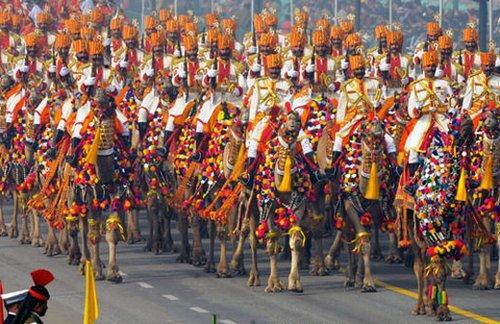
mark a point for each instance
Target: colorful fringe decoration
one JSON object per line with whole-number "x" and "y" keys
{"x": 91, "y": 157}
{"x": 178, "y": 195}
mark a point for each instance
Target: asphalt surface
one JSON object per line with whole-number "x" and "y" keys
{"x": 156, "y": 289}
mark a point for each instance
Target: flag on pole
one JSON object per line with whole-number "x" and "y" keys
{"x": 91, "y": 308}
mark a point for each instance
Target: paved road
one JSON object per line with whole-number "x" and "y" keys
{"x": 157, "y": 290}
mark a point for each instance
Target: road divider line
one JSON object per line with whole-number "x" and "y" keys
{"x": 145, "y": 285}
{"x": 227, "y": 321}
{"x": 454, "y": 309}
{"x": 198, "y": 309}
{"x": 170, "y": 297}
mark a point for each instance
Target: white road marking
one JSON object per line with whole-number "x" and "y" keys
{"x": 198, "y": 309}
{"x": 145, "y": 285}
{"x": 227, "y": 321}
{"x": 170, "y": 297}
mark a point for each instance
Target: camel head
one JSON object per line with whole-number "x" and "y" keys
{"x": 464, "y": 130}
{"x": 290, "y": 128}
{"x": 373, "y": 133}
{"x": 490, "y": 124}
{"x": 6, "y": 82}
{"x": 102, "y": 102}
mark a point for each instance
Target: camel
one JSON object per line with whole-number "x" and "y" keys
{"x": 442, "y": 245}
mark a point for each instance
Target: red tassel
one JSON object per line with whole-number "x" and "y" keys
{"x": 42, "y": 277}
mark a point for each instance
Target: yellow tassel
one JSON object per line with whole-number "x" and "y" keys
{"x": 286, "y": 182}
{"x": 461, "y": 190}
{"x": 487, "y": 181}
{"x": 400, "y": 158}
{"x": 92, "y": 153}
{"x": 239, "y": 166}
{"x": 373, "y": 188}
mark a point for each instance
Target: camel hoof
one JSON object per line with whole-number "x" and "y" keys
{"x": 239, "y": 272}
{"x": 3, "y": 232}
{"x": 480, "y": 286}
{"x": 114, "y": 277}
{"x": 393, "y": 259}
{"x": 368, "y": 289}
{"x": 497, "y": 285}
{"x": 223, "y": 275}
{"x": 419, "y": 310}
{"x": 183, "y": 258}
{"x": 210, "y": 267}
{"x": 98, "y": 275}
{"x": 319, "y": 270}
{"x": 253, "y": 280}
{"x": 443, "y": 314}
{"x": 36, "y": 243}
{"x": 13, "y": 233}
{"x": 274, "y": 285}
{"x": 295, "y": 286}
{"x": 198, "y": 261}
{"x": 332, "y": 263}
{"x": 358, "y": 283}
{"x": 349, "y": 284}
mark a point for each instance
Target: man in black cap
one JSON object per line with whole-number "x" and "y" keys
{"x": 35, "y": 304}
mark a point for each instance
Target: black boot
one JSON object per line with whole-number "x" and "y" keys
{"x": 332, "y": 172}
{"x": 143, "y": 127}
{"x": 166, "y": 140}
{"x": 200, "y": 147}
{"x": 312, "y": 168}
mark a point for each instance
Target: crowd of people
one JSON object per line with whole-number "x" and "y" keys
{"x": 99, "y": 120}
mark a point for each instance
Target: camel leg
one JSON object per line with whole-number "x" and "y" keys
{"x": 442, "y": 310}
{"x": 25, "y": 233}
{"x": 3, "y": 228}
{"x": 156, "y": 238}
{"x": 150, "y": 240}
{"x": 331, "y": 259}
{"x": 294, "y": 283}
{"x": 51, "y": 246}
{"x": 36, "y": 238}
{"x": 393, "y": 256}
{"x": 376, "y": 251}
{"x": 112, "y": 238}
{"x": 317, "y": 261}
{"x": 84, "y": 227}
{"x": 254, "y": 277}
{"x": 182, "y": 226}
{"x": 13, "y": 228}
{"x": 64, "y": 240}
{"x": 237, "y": 263}
{"x": 368, "y": 282}
{"x": 133, "y": 231}
{"x": 483, "y": 281}
{"x": 418, "y": 270}
{"x": 94, "y": 238}
{"x": 274, "y": 284}
{"x": 74, "y": 253}
{"x": 457, "y": 271}
{"x": 168, "y": 242}
{"x": 222, "y": 267}
{"x": 198, "y": 256}
{"x": 210, "y": 266}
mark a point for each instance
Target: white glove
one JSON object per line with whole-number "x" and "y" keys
{"x": 497, "y": 61}
{"x": 238, "y": 47}
{"x": 293, "y": 73}
{"x": 111, "y": 88}
{"x": 123, "y": 64}
{"x": 89, "y": 81}
{"x": 256, "y": 67}
{"x": 310, "y": 68}
{"x": 439, "y": 72}
{"x": 150, "y": 72}
{"x": 52, "y": 69}
{"x": 384, "y": 66}
{"x": 24, "y": 69}
{"x": 405, "y": 81}
{"x": 236, "y": 92}
{"x": 181, "y": 73}
{"x": 332, "y": 87}
{"x": 344, "y": 65}
{"x": 252, "y": 50}
{"x": 107, "y": 42}
{"x": 212, "y": 73}
{"x": 177, "y": 53}
{"x": 198, "y": 77}
{"x": 64, "y": 71}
